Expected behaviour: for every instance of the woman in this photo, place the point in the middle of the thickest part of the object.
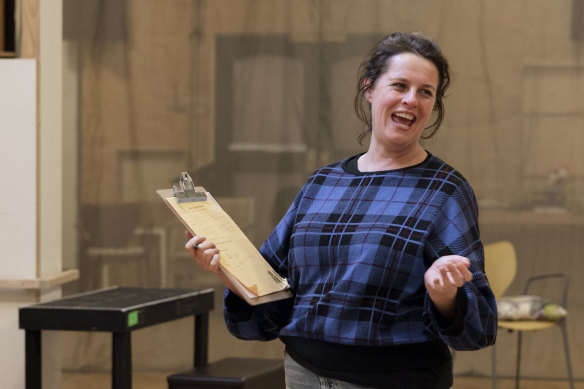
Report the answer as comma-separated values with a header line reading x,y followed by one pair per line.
x,y
382,250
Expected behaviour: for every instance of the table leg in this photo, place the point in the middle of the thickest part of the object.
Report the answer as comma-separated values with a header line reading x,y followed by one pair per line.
x,y
33,359
201,339
122,360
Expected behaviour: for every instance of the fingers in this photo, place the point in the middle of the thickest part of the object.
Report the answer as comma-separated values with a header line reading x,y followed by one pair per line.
x,y
451,271
193,243
443,279
214,263
457,273
455,259
188,234
450,275
205,253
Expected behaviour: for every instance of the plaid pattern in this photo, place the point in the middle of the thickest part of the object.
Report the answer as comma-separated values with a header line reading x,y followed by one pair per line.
x,y
355,247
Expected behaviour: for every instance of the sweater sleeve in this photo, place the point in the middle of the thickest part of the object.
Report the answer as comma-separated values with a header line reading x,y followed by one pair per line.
x,y
457,233
264,321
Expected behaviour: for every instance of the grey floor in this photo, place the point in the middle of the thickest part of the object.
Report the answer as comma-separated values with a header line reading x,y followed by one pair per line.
x,y
157,380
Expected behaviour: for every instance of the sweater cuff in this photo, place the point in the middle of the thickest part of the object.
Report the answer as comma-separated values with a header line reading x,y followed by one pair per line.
x,y
455,326
236,306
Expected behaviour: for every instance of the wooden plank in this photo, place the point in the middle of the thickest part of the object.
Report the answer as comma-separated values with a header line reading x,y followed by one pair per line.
x,y
30,39
41,283
30,48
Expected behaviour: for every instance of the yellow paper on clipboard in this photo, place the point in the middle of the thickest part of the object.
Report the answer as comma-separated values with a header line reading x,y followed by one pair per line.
x,y
241,262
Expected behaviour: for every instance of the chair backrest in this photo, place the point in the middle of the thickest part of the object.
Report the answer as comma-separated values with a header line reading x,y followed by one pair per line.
x,y
500,266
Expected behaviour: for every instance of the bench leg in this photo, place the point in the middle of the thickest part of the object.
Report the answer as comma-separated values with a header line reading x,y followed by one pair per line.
x,y
201,347
33,359
122,361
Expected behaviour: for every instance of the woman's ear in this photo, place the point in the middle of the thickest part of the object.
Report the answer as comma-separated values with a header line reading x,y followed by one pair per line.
x,y
368,86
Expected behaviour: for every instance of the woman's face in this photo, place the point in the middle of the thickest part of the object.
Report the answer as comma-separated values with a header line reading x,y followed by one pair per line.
x,y
402,100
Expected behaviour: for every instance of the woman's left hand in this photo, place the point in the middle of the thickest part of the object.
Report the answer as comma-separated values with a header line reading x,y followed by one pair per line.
x,y
443,279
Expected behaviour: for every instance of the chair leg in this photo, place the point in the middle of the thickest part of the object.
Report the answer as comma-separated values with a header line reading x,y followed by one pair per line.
x,y
493,367
567,351
518,363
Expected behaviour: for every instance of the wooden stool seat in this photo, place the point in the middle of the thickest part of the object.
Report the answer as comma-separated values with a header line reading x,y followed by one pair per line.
x,y
228,373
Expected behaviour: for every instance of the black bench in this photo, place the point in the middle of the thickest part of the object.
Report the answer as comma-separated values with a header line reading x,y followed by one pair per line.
x,y
120,311
228,373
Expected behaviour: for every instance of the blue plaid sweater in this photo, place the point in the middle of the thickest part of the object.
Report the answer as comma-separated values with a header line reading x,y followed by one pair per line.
x,y
355,246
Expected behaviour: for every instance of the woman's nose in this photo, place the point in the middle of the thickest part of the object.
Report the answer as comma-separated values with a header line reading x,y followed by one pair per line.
x,y
410,98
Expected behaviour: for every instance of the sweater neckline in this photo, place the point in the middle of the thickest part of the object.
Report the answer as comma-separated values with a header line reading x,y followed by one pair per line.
x,y
350,165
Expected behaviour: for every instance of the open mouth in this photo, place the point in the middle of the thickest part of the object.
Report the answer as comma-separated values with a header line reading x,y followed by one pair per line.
x,y
402,119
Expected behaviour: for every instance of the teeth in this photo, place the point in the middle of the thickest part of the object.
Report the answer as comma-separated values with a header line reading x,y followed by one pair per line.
x,y
405,115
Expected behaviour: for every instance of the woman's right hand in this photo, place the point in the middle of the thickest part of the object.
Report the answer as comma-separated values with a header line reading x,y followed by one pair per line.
x,y
205,253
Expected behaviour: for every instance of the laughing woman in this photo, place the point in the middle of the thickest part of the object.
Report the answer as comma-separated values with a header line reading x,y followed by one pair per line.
x,y
382,250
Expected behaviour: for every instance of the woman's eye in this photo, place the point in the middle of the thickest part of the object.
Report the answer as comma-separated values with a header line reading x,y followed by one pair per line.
x,y
427,92
399,85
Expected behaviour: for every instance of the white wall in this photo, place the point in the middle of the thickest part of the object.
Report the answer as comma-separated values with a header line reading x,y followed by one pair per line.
x,y
31,190
18,206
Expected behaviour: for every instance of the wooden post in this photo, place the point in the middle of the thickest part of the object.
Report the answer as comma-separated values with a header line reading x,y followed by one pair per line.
x,y
30,37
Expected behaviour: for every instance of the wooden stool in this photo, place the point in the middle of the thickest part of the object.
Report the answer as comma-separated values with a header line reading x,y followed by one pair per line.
x,y
231,373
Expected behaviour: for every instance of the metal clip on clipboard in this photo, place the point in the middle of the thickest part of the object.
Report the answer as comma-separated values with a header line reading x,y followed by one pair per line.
x,y
185,191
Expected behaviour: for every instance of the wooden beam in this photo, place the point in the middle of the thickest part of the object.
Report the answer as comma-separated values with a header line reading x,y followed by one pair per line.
x,y
41,283
29,47
30,39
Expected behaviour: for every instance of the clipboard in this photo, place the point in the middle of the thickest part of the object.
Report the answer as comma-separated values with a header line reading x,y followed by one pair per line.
x,y
253,277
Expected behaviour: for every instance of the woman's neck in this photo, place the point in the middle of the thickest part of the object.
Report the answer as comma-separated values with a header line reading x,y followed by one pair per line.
x,y
378,160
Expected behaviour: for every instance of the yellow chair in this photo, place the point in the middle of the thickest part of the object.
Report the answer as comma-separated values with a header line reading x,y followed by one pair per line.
x,y
501,267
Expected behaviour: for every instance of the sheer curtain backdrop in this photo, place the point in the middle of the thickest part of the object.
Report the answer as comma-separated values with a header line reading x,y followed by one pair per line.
x,y
250,96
